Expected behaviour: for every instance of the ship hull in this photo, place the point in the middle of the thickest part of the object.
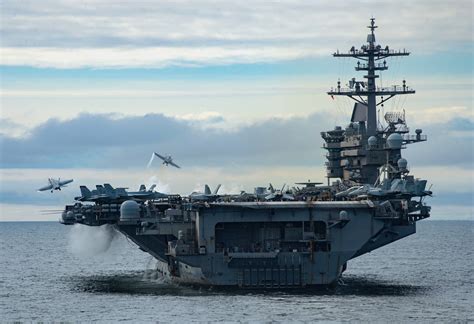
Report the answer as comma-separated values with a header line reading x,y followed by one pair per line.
x,y
298,261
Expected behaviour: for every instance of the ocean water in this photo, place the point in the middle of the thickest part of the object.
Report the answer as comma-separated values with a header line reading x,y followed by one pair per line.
x,y
51,272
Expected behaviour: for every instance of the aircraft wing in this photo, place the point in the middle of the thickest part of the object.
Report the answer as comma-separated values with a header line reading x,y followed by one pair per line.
x,y
270,196
174,164
161,157
65,182
48,187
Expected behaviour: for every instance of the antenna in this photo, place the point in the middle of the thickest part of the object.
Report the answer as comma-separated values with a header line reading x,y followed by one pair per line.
x,y
366,93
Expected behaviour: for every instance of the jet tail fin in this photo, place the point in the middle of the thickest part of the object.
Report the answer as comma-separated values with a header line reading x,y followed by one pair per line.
x,y
142,188
207,190
85,192
109,189
217,189
100,189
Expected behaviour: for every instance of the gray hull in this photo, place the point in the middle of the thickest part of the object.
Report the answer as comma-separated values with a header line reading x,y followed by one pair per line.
x,y
287,255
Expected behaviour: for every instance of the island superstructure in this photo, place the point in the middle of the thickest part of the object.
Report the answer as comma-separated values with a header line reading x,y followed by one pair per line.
x,y
354,153
284,238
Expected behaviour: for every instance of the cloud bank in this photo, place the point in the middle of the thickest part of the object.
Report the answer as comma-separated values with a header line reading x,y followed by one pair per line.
x,y
111,141
104,141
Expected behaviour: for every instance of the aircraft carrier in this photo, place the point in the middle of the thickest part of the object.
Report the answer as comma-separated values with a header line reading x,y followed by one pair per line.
x,y
285,238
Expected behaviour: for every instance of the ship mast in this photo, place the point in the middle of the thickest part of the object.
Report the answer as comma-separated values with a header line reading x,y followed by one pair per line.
x,y
366,93
356,153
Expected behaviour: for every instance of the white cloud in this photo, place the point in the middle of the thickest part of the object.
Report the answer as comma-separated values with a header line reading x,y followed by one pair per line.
x,y
433,115
203,117
239,101
148,57
154,89
11,128
71,34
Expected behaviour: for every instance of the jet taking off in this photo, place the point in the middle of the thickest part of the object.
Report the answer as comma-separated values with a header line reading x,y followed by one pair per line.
x,y
55,184
167,160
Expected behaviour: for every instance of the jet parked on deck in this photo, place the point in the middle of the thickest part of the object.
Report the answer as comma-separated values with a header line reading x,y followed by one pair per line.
x,y
207,195
107,193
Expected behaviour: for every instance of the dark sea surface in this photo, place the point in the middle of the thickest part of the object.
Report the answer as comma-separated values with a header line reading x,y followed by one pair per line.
x,y
45,276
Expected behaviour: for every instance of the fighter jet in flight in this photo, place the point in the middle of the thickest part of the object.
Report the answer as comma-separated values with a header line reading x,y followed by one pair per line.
x,y
167,160
55,184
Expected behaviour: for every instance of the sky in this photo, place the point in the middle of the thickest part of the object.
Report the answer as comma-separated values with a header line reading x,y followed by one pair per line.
x,y
235,91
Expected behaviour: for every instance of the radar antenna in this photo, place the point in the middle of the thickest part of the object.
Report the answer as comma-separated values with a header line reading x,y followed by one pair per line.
x,y
366,93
